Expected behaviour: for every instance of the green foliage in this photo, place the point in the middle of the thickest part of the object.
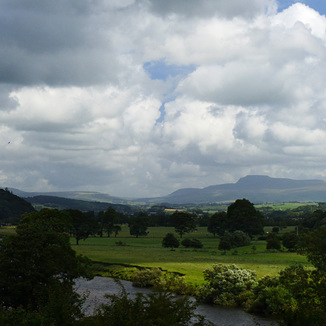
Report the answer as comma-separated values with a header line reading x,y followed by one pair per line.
x,y
192,243
297,297
170,241
183,223
108,221
156,309
226,284
138,225
217,223
234,239
38,267
273,242
242,215
177,284
313,245
290,241
82,225
146,278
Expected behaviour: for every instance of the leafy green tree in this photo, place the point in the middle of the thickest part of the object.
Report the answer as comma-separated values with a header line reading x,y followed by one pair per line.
x,y
108,221
183,223
242,215
82,225
313,245
38,268
216,223
170,241
138,225
290,240
273,242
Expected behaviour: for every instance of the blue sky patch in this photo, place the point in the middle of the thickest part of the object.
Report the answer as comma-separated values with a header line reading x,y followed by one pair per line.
x,y
159,70
318,5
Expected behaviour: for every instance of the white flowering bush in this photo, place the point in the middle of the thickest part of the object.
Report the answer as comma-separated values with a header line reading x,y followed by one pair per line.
x,y
226,285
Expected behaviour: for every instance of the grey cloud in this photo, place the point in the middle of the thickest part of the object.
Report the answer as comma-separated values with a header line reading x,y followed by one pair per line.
x,y
205,8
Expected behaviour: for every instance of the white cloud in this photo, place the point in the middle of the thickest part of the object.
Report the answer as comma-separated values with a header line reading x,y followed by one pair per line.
x,y
79,111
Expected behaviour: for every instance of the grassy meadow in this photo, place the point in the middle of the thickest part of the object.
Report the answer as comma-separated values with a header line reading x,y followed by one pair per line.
x,y
148,252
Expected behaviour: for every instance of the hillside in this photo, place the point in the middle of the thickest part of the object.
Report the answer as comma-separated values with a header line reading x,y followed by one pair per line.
x,y
12,207
67,203
256,188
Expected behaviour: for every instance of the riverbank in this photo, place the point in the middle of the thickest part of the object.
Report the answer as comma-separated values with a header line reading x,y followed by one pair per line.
x,y
99,286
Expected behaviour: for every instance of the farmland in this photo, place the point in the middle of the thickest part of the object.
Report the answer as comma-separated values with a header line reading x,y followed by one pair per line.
x,y
148,252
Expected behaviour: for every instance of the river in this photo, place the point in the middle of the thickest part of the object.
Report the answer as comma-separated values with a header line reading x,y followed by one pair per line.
x,y
99,286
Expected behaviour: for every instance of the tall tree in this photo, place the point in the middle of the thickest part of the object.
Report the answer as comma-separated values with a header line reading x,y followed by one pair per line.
x,y
108,221
183,223
138,225
38,267
82,224
242,215
217,223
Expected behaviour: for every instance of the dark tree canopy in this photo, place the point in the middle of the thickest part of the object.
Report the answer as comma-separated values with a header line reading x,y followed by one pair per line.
x,y
243,216
138,225
38,265
183,223
108,221
170,241
217,223
82,224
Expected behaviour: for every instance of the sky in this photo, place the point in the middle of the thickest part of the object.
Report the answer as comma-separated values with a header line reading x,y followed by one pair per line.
x,y
139,98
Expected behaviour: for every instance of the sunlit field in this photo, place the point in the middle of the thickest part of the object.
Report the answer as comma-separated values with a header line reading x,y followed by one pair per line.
x,y
148,252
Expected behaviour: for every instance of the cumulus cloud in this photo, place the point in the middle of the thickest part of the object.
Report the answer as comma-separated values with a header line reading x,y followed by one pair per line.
x,y
142,97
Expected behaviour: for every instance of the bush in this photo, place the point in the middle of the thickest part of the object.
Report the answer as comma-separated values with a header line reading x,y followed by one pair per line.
x,y
170,241
234,239
191,243
226,284
146,278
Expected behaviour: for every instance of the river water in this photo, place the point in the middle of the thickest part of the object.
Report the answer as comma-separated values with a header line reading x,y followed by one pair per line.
x,y
99,286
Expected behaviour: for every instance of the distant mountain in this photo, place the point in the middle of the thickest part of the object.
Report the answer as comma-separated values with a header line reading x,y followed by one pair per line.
x,y
67,203
80,195
256,188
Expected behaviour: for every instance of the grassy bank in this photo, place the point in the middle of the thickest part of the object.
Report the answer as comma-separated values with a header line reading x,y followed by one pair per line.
x,y
148,252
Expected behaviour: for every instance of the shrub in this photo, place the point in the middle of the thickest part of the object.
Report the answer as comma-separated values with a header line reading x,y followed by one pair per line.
x,y
234,239
191,243
225,284
170,241
146,278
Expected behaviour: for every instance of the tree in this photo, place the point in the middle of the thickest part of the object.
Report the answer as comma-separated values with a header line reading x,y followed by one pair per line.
x,y
38,268
108,221
273,242
313,244
183,223
82,225
290,240
170,241
138,225
216,223
243,216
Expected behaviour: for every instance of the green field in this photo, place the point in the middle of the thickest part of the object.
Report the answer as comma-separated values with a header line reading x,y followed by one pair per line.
x,y
148,252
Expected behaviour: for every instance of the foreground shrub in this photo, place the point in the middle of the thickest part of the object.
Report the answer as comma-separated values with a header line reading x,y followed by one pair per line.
x,y
175,284
192,243
226,285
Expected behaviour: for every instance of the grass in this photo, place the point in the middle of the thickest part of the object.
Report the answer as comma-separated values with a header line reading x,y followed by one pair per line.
x,y
148,252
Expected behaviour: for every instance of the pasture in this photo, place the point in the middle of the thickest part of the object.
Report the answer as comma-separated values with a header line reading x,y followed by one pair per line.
x,y
148,252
